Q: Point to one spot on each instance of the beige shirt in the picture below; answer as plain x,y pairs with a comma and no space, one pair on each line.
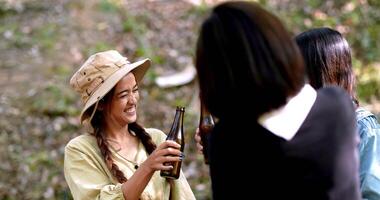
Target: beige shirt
89,178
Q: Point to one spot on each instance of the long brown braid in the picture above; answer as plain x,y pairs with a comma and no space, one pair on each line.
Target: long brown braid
142,135
145,138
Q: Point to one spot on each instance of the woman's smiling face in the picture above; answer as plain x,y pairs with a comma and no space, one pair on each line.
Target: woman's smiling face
122,107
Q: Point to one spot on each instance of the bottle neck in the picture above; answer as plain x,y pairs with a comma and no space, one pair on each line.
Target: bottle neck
176,130
178,120
206,116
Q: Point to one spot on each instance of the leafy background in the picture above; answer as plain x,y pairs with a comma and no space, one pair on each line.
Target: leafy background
42,43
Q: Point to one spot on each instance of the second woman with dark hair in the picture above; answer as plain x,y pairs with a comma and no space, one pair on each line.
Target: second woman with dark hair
274,131
328,58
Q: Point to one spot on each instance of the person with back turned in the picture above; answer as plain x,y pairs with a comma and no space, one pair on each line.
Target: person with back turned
276,137
328,58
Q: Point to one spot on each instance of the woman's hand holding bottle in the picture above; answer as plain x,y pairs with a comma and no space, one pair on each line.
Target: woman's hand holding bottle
168,151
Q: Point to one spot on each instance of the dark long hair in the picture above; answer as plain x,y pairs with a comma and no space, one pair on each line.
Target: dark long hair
328,59
97,123
245,56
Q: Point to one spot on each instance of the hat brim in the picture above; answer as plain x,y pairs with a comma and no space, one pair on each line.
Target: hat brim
138,68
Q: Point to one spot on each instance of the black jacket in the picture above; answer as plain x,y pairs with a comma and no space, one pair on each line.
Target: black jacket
319,162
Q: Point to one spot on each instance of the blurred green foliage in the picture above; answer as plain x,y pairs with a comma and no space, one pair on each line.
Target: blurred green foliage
368,88
108,6
98,46
53,100
358,21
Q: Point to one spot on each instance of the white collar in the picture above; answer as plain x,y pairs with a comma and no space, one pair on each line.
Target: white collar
285,121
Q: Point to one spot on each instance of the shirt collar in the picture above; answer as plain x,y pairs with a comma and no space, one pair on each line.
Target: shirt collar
286,120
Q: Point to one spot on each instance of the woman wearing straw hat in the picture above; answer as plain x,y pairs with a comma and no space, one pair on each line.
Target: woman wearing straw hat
118,159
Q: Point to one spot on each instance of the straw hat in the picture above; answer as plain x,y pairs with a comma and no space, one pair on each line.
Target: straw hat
99,74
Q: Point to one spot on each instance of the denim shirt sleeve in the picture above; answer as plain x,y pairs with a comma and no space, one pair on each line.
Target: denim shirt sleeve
369,149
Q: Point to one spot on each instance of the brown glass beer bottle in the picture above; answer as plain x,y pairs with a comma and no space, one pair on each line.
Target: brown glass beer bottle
176,134
206,124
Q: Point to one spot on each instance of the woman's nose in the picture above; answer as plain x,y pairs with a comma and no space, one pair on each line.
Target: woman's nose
132,98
